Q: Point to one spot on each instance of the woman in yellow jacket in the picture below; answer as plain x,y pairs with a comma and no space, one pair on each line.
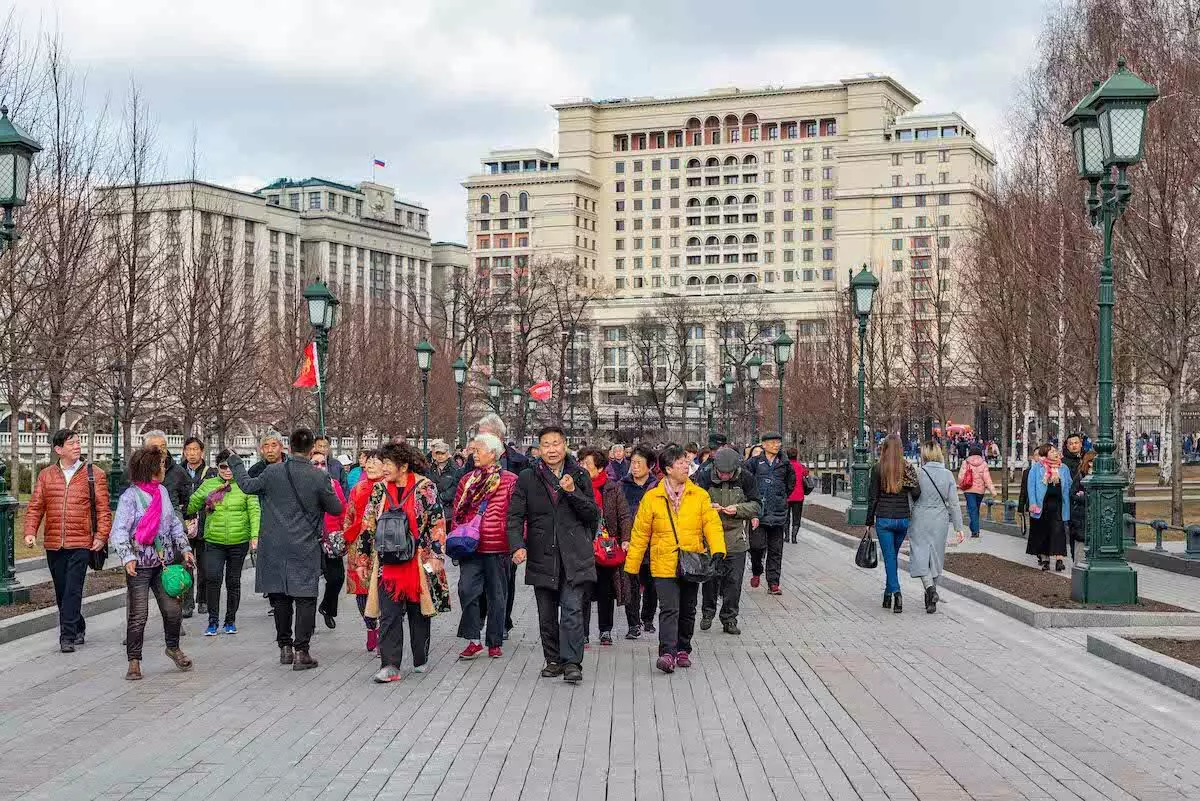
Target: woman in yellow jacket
675,515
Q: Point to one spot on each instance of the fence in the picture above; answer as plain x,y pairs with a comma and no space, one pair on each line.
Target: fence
1191,534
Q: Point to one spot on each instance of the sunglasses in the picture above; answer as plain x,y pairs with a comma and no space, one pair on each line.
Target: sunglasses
223,466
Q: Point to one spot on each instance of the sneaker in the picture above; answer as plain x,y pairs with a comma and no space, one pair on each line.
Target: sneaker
420,668
774,590
634,633
211,631
648,626
551,670
683,660
388,675
67,647
666,663
572,674
706,622
230,628
606,638
731,627
494,652
472,650
372,640
930,600
754,582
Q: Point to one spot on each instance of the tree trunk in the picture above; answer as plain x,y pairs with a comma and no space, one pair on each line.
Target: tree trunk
1165,419
1004,451
1172,450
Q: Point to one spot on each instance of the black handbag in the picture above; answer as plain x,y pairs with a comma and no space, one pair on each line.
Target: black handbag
809,483
868,553
96,559
694,567
394,541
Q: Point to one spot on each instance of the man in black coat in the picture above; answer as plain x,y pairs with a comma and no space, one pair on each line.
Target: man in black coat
776,480
271,450
552,521
197,471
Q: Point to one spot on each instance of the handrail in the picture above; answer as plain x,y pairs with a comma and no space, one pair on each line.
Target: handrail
1191,534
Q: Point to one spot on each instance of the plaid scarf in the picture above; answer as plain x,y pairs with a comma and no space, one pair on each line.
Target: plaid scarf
1051,466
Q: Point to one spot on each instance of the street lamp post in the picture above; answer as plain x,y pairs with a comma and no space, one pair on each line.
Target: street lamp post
517,408
116,473
460,379
17,149
783,354
494,389
424,362
1108,128
753,366
862,289
710,400
728,384
322,315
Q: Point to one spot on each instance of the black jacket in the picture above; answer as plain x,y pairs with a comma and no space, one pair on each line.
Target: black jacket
445,479
1023,497
194,482
557,534
513,461
892,505
255,470
775,483
179,486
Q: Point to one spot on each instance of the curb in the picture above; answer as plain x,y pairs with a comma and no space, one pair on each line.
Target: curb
47,619
1031,614
32,563
1155,666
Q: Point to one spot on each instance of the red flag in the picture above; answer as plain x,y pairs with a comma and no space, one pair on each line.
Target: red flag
540,391
310,375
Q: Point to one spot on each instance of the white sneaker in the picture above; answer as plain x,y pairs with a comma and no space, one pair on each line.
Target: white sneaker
388,674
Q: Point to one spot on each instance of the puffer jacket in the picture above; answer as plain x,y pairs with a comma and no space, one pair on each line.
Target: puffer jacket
233,521
981,477
775,483
556,528
493,529
67,511
614,511
740,492
696,525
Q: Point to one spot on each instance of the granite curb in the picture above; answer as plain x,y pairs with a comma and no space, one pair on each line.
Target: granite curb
46,619
1155,666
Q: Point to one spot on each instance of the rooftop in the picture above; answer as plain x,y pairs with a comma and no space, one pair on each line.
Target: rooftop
289,183
733,91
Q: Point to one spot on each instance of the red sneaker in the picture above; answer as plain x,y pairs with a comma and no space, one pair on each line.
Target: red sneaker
774,590
372,639
683,660
494,652
754,582
472,650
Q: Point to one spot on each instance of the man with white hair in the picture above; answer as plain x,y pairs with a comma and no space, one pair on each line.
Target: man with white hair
270,447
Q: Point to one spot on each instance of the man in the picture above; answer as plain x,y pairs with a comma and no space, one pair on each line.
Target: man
618,465
197,472
71,498
179,489
442,472
734,494
693,455
643,597
332,466
552,520
271,451
776,480
295,496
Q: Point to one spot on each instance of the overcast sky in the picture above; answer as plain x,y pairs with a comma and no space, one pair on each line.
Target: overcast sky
321,87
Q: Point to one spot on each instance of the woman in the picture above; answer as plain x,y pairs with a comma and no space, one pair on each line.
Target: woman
356,473
639,609
332,567
358,560
1049,487
933,512
148,536
416,588
230,523
612,589
676,515
795,501
1077,526
980,482
893,488
485,572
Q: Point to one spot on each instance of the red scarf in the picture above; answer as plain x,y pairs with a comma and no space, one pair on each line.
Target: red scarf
403,582
598,482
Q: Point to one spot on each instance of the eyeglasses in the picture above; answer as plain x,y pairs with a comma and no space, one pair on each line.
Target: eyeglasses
223,466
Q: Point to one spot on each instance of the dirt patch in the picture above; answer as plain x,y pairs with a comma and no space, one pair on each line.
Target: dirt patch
1184,650
831,518
41,596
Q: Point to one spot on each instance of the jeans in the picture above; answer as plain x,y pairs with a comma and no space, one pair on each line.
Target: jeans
643,598
560,621
372,623
795,515
68,569
483,575
306,620
223,562
774,553
891,533
974,499
676,614
727,584
138,588
605,597
334,571
391,631
510,595
199,588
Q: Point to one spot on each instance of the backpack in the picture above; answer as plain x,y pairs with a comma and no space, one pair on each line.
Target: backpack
464,540
394,540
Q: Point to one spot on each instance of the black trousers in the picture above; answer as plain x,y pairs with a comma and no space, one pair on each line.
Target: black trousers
391,631
334,571
137,609
510,596
727,584
774,553
483,576
222,562
676,614
605,597
795,516
306,619
643,597
199,589
68,569
560,622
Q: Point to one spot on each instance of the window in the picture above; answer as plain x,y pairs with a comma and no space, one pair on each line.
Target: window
620,225
768,237
943,220
656,165
897,201
897,223
827,213
674,164
920,179
808,274
808,254
656,262
789,155
294,200
808,154
620,285
920,201
897,265
789,276
637,243
620,264
656,281
808,234
331,202
897,180
789,176
895,159
273,200
769,256
637,166
638,262
485,225
943,177
789,215
943,241
827,173
637,205
656,223
943,156
897,244
827,273
358,204
674,183
620,187
788,196
674,261
638,184
619,244
655,242
769,157
620,205
827,152
920,222
789,235
943,264
810,129
919,157
944,199
806,173
768,176
768,216
619,167
789,255
655,184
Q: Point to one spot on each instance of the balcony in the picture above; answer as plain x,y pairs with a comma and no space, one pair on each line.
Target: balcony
749,207
749,246
731,168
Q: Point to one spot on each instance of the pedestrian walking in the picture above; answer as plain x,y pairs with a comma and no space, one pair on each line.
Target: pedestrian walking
230,520
975,479
1049,487
734,495
618,465
934,512
643,598
70,498
484,495
442,472
776,480
551,523
612,589
893,488
796,498
294,496
1077,525
148,536
197,472
359,559
675,516
333,567
179,489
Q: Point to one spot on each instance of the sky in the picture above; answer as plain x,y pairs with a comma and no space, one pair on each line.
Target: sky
272,88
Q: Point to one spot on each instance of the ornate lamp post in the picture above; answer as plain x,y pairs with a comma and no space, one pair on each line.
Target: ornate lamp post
460,378
862,291
753,366
710,397
116,473
322,315
728,383
783,354
1107,131
16,155
424,362
494,389
517,408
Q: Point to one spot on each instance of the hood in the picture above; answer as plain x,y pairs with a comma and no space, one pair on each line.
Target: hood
975,461
651,481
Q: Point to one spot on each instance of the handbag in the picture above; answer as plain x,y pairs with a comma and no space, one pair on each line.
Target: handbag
608,550
96,559
867,555
809,483
394,542
464,540
695,567
967,480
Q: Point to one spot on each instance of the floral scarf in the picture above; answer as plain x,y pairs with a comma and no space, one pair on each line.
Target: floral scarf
477,485
216,496
1051,475
673,495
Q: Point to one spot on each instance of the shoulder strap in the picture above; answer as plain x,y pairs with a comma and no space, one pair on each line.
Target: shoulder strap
671,517
945,502
91,474
287,469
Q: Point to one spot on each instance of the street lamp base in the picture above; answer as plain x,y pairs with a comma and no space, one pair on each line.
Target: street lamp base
14,595
860,475
1104,582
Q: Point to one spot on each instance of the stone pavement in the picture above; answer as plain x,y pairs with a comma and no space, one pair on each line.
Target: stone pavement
825,696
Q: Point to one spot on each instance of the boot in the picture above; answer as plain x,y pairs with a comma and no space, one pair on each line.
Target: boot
303,661
181,660
731,627
286,655
887,600
930,600
897,603
706,622
135,670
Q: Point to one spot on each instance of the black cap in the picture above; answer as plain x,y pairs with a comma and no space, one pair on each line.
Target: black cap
716,440
771,435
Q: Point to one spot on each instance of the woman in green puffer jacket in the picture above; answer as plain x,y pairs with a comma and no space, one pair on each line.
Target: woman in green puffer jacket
230,528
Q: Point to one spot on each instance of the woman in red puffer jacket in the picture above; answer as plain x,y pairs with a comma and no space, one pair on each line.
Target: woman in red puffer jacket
796,499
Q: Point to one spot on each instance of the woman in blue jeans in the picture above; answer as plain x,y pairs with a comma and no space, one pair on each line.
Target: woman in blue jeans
894,485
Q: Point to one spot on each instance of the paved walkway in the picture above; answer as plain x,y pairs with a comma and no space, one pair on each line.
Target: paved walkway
825,696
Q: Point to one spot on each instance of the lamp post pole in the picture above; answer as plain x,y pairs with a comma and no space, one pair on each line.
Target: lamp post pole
460,380
728,396
322,350
862,293
783,353
322,314
753,366
116,473
424,362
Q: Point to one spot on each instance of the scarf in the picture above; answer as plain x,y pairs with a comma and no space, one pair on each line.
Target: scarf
216,496
549,479
673,495
147,526
1052,476
598,482
477,485
401,582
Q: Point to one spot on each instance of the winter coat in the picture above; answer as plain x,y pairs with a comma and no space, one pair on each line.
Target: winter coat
981,477
617,470
556,528
179,486
892,505
697,526
289,547
67,510
513,461
934,510
171,539
1036,484
634,493
798,491
232,521
614,511
741,492
258,467
336,522
446,479
1023,496
195,529
493,529
776,480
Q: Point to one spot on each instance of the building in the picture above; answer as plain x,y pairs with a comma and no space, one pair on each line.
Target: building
777,193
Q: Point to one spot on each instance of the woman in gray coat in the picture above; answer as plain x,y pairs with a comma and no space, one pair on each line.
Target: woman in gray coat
932,514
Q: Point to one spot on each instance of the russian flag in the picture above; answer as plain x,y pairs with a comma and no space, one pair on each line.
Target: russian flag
379,163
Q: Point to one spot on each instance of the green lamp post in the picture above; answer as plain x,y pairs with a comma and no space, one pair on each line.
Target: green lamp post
116,473
729,385
460,380
424,362
782,346
517,409
322,315
494,390
753,366
17,149
1107,132
862,293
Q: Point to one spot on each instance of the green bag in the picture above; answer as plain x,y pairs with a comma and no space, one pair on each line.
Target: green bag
176,580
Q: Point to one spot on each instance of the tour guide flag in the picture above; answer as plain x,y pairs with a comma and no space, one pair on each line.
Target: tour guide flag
540,391
309,376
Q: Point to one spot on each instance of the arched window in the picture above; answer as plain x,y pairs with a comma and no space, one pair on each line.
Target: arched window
750,278
693,164
750,118
712,162
731,200
731,120
712,201
693,242
503,203
750,239
731,161
750,159
750,199
485,204
731,279
731,240
712,280
523,201
693,124
712,241
693,202
693,281
712,122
